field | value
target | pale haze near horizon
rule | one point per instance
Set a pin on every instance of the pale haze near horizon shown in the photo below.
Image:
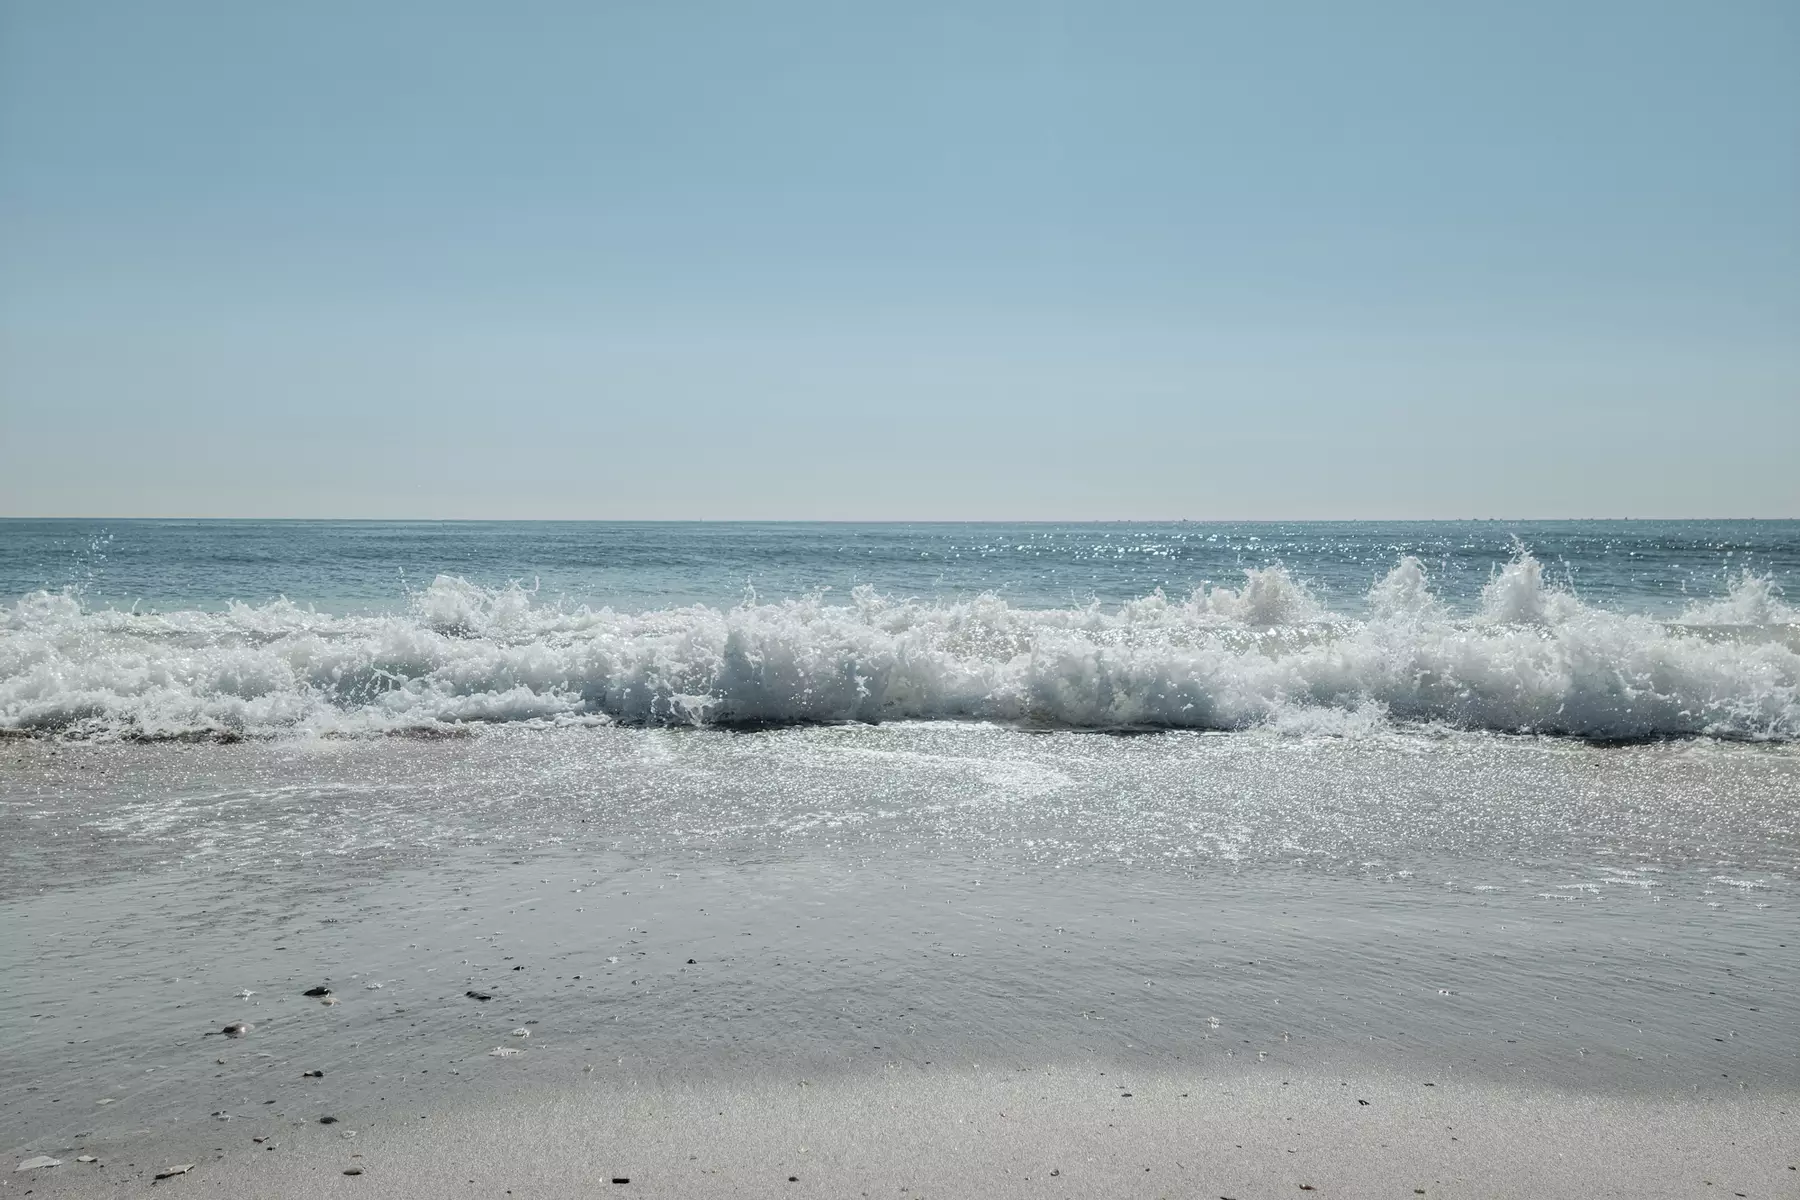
(932, 261)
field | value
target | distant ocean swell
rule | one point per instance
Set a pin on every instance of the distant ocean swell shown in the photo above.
(1535, 660)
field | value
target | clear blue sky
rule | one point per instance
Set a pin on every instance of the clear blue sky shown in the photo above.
(905, 260)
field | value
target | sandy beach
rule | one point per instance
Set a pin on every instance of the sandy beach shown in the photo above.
(1002, 1132)
(534, 987)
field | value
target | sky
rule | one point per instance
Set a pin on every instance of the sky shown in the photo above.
(838, 260)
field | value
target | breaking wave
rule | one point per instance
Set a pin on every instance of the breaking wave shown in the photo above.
(1535, 659)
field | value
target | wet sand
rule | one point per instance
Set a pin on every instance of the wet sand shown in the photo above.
(875, 1009)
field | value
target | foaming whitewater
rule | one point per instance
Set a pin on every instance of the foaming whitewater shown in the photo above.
(1535, 659)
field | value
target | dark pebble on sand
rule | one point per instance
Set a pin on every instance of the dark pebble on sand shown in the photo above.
(478, 995)
(328, 1120)
(690, 962)
(353, 1170)
(620, 1179)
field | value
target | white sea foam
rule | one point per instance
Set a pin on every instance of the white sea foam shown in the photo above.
(1535, 659)
(1751, 601)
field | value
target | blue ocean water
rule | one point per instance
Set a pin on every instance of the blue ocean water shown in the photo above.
(1655, 567)
(237, 628)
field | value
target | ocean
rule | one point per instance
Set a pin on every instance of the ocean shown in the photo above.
(154, 629)
(1146, 816)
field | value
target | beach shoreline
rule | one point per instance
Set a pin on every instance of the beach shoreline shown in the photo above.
(871, 942)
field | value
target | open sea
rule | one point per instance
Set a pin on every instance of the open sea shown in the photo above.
(1509, 803)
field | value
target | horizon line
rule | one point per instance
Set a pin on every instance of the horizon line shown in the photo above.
(884, 520)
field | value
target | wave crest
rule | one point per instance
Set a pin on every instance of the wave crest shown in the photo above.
(1535, 659)
(1752, 600)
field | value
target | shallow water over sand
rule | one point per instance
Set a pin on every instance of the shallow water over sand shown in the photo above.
(1617, 920)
